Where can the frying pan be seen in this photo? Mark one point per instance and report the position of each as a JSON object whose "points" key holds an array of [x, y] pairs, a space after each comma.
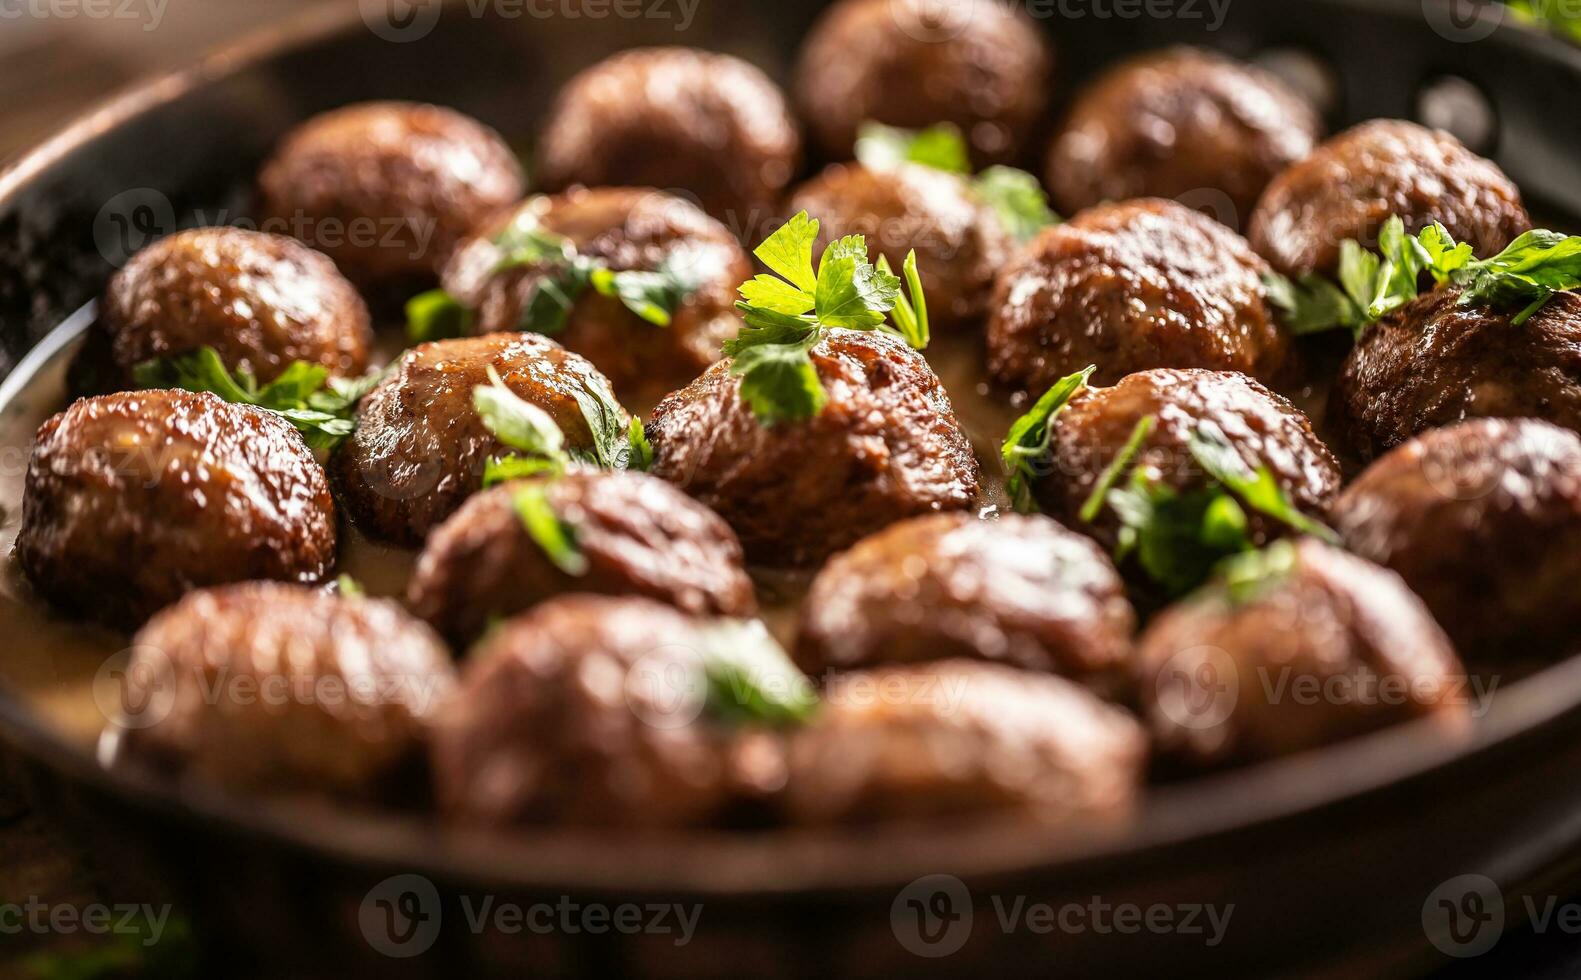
{"points": [[1345, 860]]}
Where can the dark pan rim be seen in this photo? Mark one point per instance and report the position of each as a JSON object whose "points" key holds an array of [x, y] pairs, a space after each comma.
{"points": [[777, 863]]}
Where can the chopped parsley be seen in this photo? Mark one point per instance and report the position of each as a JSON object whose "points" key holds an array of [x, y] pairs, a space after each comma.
{"points": [[553, 535], [1026, 446], [1246, 577], [750, 680], [538, 444]]}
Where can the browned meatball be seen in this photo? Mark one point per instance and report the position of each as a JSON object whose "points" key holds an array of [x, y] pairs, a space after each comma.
{"points": [[1022, 591], [591, 710], [284, 690], [1185, 124], [1318, 647], [1483, 521], [388, 189], [960, 242], [1356, 181], [887, 446], [1143, 284], [961, 738], [261, 301], [639, 536], [912, 63], [420, 448], [624, 229], [134, 499], [709, 125], [1264, 429], [1434, 362]]}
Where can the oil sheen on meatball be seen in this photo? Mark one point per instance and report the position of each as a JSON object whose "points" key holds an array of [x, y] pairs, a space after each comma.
{"points": [[1185, 124], [706, 125], [984, 67], [1351, 184], [1128, 287], [282, 690], [591, 711], [639, 535], [961, 739], [261, 301], [134, 499], [388, 189], [625, 230], [1434, 362], [1262, 427], [1327, 647], [1021, 591], [420, 448], [1483, 521], [887, 446], [960, 242]]}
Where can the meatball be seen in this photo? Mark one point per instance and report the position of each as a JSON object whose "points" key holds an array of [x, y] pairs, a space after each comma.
{"points": [[592, 710], [1356, 181], [625, 230], [1186, 124], [707, 125], [134, 499], [886, 447], [388, 189], [1143, 284], [984, 67], [420, 447], [1022, 591], [960, 738], [1433, 362], [261, 301], [960, 242], [1483, 521], [1264, 429], [1307, 646], [639, 536], [284, 690]]}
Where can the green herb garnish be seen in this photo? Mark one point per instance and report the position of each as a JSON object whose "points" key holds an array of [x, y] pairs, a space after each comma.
{"points": [[556, 537], [538, 442], [787, 313], [320, 407], [1247, 576], [350, 588], [436, 315], [1026, 446], [750, 680], [1111, 474]]}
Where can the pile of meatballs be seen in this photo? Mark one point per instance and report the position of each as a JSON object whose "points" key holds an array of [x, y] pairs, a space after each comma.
{"points": [[951, 659]]}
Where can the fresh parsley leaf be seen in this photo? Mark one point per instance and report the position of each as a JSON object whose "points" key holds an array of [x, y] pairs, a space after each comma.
{"points": [[788, 252], [436, 315], [525, 242], [1444, 256], [609, 424], [1313, 305], [1018, 199], [909, 318], [775, 295], [641, 452], [1525, 275], [653, 296], [513, 466], [1247, 576], [1258, 488], [553, 297], [881, 147], [1111, 474], [851, 291], [516, 422], [778, 380], [1026, 445], [554, 536], [1177, 538], [750, 680], [350, 588]]}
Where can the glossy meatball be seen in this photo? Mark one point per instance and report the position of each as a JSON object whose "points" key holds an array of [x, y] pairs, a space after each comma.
{"points": [[1143, 284], [1317, 647], [1264, 428], [887, 446], [625, 230], [707, 125], [960, 738], [1185, 124], [134, 499], [639, 536], [388, 189], [594, 711], [1357, 180], [960, 242], [1483, 521], [912, 63], [1021, 591], [261, 301], [1434, 362], [284, 690], [420, 448]]}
